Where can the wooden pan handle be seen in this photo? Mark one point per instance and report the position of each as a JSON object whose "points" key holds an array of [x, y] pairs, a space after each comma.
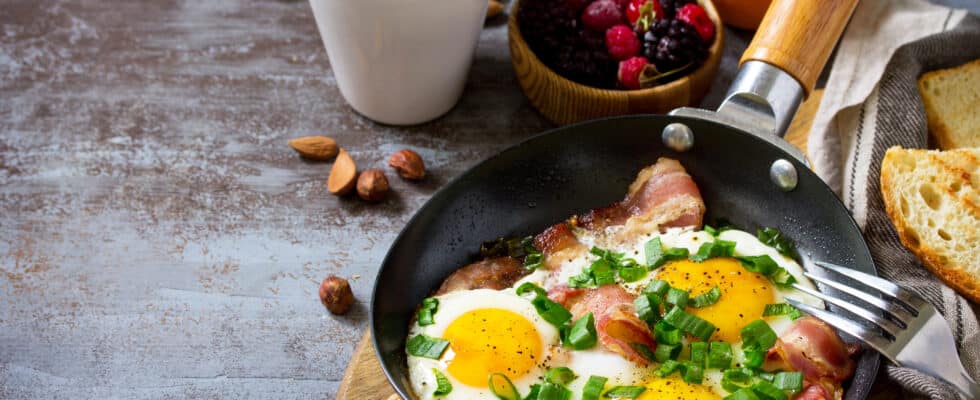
{"points": [[798, 35]]}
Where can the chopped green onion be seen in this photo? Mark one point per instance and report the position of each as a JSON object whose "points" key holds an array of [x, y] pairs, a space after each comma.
{"points": [[551, 391], [667, 368], [706, 299], [593, 387], [676, 253], [757, 335], [550, 311], [625, 392], [775, 239], [789, 381], [426, 346], [501, 386], [657, 256], [762, 264], [654, 252], [781, 309], [691, 324], [718, 248], [527, 287], [767, 391], [692, 373], [782, 277], [559, 375], [769, 376], [766, 266], [647, 308], [657, 288], [742, 394], [719, 355], [533, 261], [677, 297], [735, 379], [632, 274], [428, 310], [644, 351], [699, 353], [666, 333], [711, 230], [666, 352], [513, 247], [582, 335], [757, 338], [443, 386], [533, 393]]}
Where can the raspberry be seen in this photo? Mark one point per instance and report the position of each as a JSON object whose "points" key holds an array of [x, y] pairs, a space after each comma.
{"points": [[671, 6], [650, 9], [622, 42], [602, 15], [630, 70], [697, 17]]}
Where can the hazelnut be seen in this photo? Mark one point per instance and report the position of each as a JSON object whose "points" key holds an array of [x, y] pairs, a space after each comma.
{"points": [[335, 294], [408, 164], [372, 185]]}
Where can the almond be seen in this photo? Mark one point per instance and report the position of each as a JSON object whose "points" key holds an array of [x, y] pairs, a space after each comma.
{"points": [[408, 164], [315, 147], [495, 7], [372, 185], [343, 174]]}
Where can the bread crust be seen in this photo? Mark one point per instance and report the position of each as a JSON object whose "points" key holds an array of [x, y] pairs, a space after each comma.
{"points": [[945, 137], [963, 282]]}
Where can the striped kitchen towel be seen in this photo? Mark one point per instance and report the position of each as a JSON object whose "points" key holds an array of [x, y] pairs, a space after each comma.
{"points": [[871, 102]]}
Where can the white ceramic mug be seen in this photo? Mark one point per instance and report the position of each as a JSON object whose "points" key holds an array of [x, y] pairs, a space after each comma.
{"points": [[400, 62]]}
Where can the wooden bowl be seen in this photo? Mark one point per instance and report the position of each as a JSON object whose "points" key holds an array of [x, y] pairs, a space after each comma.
{"points": [[563, 101]]}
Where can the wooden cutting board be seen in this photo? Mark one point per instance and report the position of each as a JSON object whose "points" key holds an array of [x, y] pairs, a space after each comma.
{"points": [[364, 379]]}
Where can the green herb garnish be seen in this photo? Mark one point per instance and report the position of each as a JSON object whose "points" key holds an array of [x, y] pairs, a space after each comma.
{"points": [[426, 346], [428, 311]]}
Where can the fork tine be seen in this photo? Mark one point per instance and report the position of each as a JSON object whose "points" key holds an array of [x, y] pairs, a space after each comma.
{"points": [[911, 300], [870, 337], [883, 323], [899, 312]]}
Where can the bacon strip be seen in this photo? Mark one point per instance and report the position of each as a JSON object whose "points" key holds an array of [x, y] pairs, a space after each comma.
{"points": [[813, 348], [617, 325], [493, 273], [558, 242], [663, 195]]}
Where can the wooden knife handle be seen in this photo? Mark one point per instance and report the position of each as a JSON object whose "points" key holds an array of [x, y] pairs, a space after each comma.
{"points": [[798, 36]]}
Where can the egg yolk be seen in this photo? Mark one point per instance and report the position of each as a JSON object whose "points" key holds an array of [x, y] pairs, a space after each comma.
{"points": [[744, 294], [674, 387], [491, 340]]}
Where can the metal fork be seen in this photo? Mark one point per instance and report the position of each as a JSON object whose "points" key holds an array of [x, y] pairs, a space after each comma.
{"points": [[909, 331]]}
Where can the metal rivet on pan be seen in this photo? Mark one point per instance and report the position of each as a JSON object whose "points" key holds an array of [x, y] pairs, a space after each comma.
{"points": [[678, 137], [783, 174]]}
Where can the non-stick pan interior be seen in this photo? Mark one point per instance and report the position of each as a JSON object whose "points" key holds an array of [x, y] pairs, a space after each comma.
{"points": [[552, 176]]}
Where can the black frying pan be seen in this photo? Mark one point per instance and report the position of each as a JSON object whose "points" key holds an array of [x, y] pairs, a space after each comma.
{"points": [[573, 169]]}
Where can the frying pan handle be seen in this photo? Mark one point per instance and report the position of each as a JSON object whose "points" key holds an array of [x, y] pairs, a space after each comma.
{"points": [[797, 36]]}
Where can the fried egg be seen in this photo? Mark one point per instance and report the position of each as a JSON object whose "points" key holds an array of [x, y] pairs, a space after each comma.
{"points": [[489, 332], [499, 332]]}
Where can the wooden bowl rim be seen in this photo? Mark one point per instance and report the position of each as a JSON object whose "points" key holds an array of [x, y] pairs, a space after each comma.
{"points": [[514, 32]]}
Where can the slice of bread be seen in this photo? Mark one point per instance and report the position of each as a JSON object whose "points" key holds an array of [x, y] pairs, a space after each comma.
{"points": [[933, 199], [952, 100]]}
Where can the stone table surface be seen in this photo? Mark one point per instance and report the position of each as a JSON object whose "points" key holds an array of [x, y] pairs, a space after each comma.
{"points": [[158, 239]]}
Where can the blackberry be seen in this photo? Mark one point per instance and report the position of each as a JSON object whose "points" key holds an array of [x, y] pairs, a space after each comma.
{"points": [[671, 44], [556, 36], [671, 6]]}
